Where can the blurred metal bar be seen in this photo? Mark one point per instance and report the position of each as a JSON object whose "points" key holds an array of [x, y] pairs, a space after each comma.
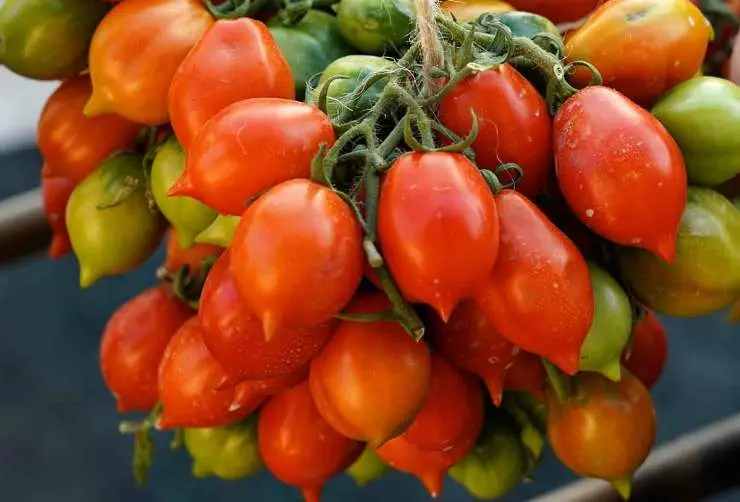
{"points": [[691, 468], [23, 227]]}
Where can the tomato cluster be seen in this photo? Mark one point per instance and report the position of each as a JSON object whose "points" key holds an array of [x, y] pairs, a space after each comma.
{"points": [[420, 263]]}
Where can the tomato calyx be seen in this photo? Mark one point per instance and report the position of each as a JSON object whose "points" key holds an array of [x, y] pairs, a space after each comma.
{"points": [[187, 284], [231, 9]]}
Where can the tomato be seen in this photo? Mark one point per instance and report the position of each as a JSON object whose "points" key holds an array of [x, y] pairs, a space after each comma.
{"points": [[611, 327], [647, 353], [309, 45], [47, 39], [237, 136], [705, 277], [605, 430], [513, 123], [642, 48], [55, 192], [115, 239], [235, 338], [376, 26], [528, 24], [526, 374], [297, 255], [430, 466], [220, 232], [133, 343], [539, 294], [193, 257], [702, 115], [620, 171], [368, 467], [560, 11], [234, 60], [470, 10], [371, 379], [229, 452], [298, 446], [135, 53], [188, 216], [64, 133], [469, 341]]}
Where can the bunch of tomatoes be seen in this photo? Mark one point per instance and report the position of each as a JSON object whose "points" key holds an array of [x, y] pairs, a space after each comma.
{"points": [[381, 255]]}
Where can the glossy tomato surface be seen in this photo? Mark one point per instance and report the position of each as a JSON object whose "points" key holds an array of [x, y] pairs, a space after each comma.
{"points": [[470, 10], [558, 11], [646, 355]]}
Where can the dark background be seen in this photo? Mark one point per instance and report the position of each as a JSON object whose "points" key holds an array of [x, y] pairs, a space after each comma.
{"points": [[58, 427]]}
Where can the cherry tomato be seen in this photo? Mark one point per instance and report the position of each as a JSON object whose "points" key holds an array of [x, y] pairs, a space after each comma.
{"points": [[239, 136], [235, 338], [56, 192], [135, 53], [437, 226], [526, 374], [297, 256], [646, 355], [376, 26], [229, 452], [298, 446], [371, 379], [236, 59], [470, 10], [513, 123], [642, 48], [539, 294], [469, 341], [133, 343], [620, 171], [193, 257], [64, 135], [559, 11]]}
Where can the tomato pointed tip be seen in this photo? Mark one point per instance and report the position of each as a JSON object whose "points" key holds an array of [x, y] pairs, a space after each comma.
{"points": [[432, 481], [444, 309], [270, 324], [664, 248], [182, 187], [87, 277], [495, 388], [59, 247], [95, 106], [311, 494], [623, 487]]}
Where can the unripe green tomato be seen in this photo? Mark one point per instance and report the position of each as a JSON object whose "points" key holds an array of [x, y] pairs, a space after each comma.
{"points": [[376, 26], [229, 452], [220, 232], [368, 467], [527, 24]]}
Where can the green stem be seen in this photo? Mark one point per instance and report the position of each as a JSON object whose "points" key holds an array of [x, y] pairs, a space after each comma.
{"points": [[228, 10], [559, 381], [387, 315], [134, 426], [405, 315]]}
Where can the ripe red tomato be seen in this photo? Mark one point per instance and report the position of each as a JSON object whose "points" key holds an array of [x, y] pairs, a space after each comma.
{"points": [[297, 255], [73, 144], [275, 138], [298, 446], [438, 229], [235, 338], [235, 60], [193, 257], [513, 123], [539, 295], [526, 374], [133, 343], [620, 171], [559, 11], [136, 51], [647, 354], [370, 380], [55, 192], [469, 341]]}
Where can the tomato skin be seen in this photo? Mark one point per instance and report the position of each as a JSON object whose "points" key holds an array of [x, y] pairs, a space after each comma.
{"points": [[298, 446], [620, 171], [560, 11], [437, 227], [133, 343], [235, 338], [135, 53], [55, 193], [236, 137], [193, 257], [234, 60], [376, 26], [506, 105], [64, 133], [229, 452], [526, 374], [371, 378], [470, 10], [539, 294], [642, 47], [220, 232], [646, 356]]}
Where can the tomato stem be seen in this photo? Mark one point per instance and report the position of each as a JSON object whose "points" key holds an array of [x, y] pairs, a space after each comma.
{"points": [[134, 426], [559, 382]]}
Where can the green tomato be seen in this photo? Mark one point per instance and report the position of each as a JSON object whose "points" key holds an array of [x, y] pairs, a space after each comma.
{"points": [[376, 26], [220, 232], [705, 276], [368, 467], [47, 39], [610, 329], [229, 452], [527, 24], [110, 224], [188, 216], [310, 45], [703, 116], [530, 428]]}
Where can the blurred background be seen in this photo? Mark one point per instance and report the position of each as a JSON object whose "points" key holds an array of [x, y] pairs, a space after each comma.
{"points": [[58, 425]]}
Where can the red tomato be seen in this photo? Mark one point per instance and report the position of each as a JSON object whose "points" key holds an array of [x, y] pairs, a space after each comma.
{"points": [[620, 171], [526, 374], [430, 466], [276, 139], [297, 255], [133, 343], [136, 51], [647, 354], [469, 341], [252, 393], [298, 446], [438, 229], [73, 144], [235, 338], [513, 123], [192, 257], [539, 295], [235, 60], [558, 11], [372, 377], [56, 192]]}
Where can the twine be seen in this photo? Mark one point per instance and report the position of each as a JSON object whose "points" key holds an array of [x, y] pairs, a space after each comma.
{"points": [[431, 47]]}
